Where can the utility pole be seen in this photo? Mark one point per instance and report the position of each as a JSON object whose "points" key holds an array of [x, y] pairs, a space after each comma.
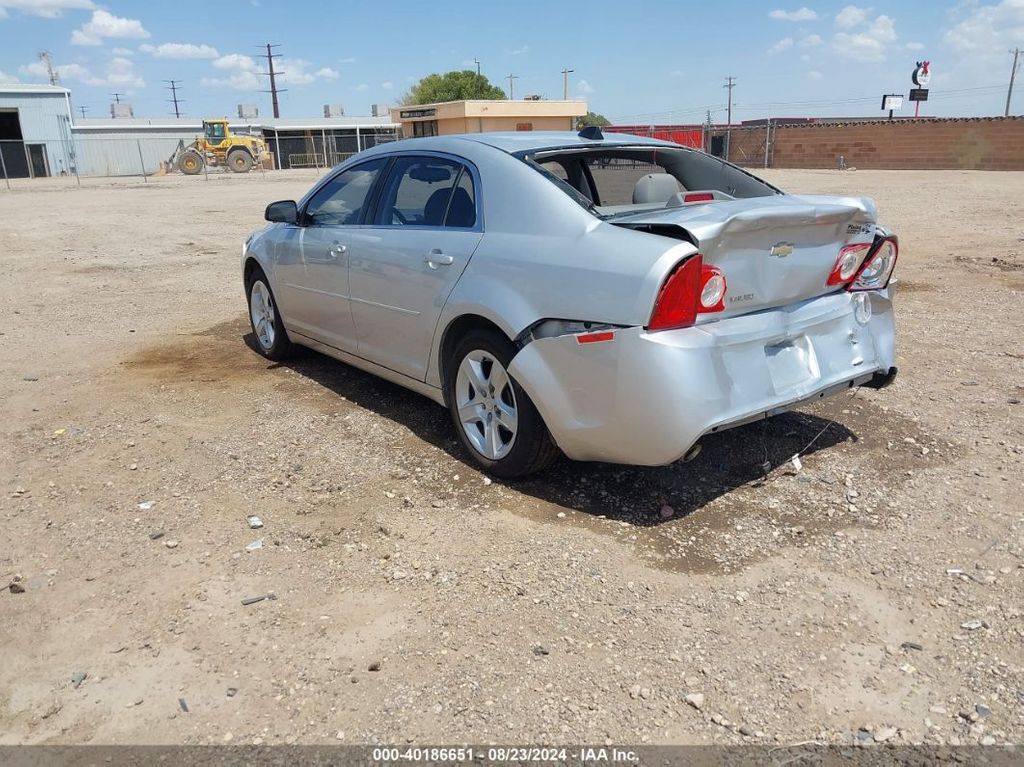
{"points": [[511, 77], [477, 62], [1013, 74], [117, 97], [730, 83], [272, 74], [565, 83], [173, 88], [82, 111], [46, 58]]}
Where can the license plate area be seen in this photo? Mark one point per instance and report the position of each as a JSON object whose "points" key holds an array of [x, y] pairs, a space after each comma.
{"points": [[791, 363]]}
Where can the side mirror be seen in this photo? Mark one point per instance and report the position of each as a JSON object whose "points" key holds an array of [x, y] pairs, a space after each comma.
{"points": [[282, 212]]}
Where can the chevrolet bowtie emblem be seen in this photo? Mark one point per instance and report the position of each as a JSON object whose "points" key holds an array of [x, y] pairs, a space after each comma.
{"points": [[781, 249]]}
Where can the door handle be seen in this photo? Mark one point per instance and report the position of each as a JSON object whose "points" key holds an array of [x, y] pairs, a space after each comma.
{"points": [[337, 250], [436, 258]]}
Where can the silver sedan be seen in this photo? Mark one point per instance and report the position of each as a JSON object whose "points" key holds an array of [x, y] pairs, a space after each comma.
{"points": [[609, 297]]}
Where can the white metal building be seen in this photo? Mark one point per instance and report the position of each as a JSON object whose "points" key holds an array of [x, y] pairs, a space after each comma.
{"points": [[35, 130], [40, 137]]}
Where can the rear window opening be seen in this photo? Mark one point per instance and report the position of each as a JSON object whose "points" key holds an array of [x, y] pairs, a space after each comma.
{"points": [[622, 180]]}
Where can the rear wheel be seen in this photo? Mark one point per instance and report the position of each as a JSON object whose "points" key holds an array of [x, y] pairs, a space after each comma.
{"points": [[494, 417], [271, 337], [239, 161], [191, 163]]}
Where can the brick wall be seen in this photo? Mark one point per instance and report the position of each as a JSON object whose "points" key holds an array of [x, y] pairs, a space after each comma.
{"points": [[925, 144]]}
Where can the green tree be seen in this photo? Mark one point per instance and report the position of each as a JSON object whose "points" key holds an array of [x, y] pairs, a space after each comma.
{"points": [[592, 118], [452, 86]]}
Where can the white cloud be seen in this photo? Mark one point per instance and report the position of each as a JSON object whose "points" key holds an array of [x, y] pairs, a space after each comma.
{"points": [[120, 73], [851, 16], [6, 78], [868, 46], [387, 85], [347, 60], [243, 73], [124, 51], [914, 46], [103, 25], [362, 87], [519, 51], [815, 74], [180, 51], [989, 31], [801, 14], [677, 73], [782, 45], [584, 88], [47, 9], [811, 41]]}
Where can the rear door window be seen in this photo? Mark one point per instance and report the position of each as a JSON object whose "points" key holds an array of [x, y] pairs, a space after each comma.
{"points": [[427, 191]]}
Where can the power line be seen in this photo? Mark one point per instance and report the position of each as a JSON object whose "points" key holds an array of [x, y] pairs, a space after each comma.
{"points": [[956, 93], [173, 88], [273, 79]]}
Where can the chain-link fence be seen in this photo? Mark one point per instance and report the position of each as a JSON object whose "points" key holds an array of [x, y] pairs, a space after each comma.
{"points": [[79, 158], [747, 145]]}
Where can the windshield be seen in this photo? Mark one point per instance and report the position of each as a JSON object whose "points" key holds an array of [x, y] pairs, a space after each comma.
{"points": [[621, 180]]}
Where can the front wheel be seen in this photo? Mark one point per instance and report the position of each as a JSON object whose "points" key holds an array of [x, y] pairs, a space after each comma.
{"points": [[191, 163], [494, 417], [271, 337], [239, 161]]}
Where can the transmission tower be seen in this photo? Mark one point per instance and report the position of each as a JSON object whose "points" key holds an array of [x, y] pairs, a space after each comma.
{"points": [[270, 56], [173, 88], [47, 59]]}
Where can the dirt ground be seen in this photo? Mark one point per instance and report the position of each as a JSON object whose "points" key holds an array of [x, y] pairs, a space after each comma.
{"points": [[875, 596]]}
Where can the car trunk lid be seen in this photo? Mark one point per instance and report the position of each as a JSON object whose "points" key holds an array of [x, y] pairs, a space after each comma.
{"points": [[774, 251]]}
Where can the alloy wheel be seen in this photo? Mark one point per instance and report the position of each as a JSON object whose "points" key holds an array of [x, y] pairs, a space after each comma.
{"points": [[486, 403], [261, 308]]}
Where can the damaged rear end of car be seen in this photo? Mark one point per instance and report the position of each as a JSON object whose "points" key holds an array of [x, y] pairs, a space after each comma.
{"points": [[756, 306]]}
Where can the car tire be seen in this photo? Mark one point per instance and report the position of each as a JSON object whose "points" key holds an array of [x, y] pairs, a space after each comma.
{"points": [[240, 161], [271, 337], [495, 419]]}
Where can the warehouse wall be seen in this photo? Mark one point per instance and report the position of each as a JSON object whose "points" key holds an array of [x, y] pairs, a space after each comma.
{"points": [[117, 153], [925, 144]]}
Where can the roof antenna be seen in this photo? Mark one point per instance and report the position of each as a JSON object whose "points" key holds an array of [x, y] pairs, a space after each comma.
{"points": [[592, 132]]}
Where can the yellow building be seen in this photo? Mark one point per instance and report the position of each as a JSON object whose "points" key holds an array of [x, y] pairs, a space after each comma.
{"points": [[484, 116]]}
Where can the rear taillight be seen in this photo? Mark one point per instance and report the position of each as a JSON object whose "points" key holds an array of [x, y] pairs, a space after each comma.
{"points": [[698, 197], [692, 288], [849, 261], [878, 267]]}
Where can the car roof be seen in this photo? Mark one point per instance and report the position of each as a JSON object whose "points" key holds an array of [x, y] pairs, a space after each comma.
{"points": [[520, 141]]}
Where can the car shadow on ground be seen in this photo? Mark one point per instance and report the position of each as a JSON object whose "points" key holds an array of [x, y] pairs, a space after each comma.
{"points": [[729, 460]]}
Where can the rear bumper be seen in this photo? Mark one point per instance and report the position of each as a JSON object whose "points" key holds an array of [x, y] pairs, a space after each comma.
{"points": [[646, 398]]}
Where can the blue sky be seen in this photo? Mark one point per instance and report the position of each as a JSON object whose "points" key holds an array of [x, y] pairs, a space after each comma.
{"points": [[640, 62]]}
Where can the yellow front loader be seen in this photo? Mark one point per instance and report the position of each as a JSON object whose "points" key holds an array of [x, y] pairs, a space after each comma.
{"points": [[218, 147]]}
